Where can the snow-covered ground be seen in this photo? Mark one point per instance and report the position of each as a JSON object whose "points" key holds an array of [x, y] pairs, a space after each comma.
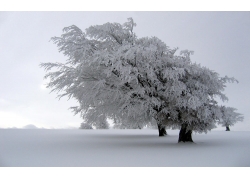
{"points": [[125, 148]]}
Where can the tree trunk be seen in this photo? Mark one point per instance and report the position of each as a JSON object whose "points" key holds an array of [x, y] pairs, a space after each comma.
{"points": [[184, 135], [227, 128], [162, 130]]}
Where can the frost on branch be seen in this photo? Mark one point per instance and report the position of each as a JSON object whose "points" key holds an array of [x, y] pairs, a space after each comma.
{"points": [[134, 81]]}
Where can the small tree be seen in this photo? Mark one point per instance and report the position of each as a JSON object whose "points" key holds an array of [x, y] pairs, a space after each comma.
{"points": [[85, 126], [229, 117]]}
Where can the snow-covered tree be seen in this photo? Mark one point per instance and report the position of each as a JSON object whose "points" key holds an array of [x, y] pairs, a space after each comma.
{"points": [[229, 117], [195, 107], [134, 81], [85, 126], [199, 110]]}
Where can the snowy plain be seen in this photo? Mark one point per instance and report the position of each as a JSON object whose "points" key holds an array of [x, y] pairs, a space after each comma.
{"points": [[121, 148]]}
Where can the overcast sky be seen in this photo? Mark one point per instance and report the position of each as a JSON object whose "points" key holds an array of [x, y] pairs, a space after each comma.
{"points": [[220, 41]]}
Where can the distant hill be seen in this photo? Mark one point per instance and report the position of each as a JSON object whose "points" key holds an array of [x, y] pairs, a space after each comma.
{"points": [[30, 126]]}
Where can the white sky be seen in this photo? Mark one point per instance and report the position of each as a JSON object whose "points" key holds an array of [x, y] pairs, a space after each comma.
{"points": [[220, 40]]}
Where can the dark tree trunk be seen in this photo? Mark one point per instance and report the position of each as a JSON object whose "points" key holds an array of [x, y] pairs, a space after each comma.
{"points": [[184, 135], [227, 128], [162, 130]]}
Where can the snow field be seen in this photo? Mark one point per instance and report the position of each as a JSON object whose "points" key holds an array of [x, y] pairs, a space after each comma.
{"points": [[121, 148]]}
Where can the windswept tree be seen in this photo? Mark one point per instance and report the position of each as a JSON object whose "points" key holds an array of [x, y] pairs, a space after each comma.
{"points": [[134, 81], [195, 107], [204, 112], [229, 117]]}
